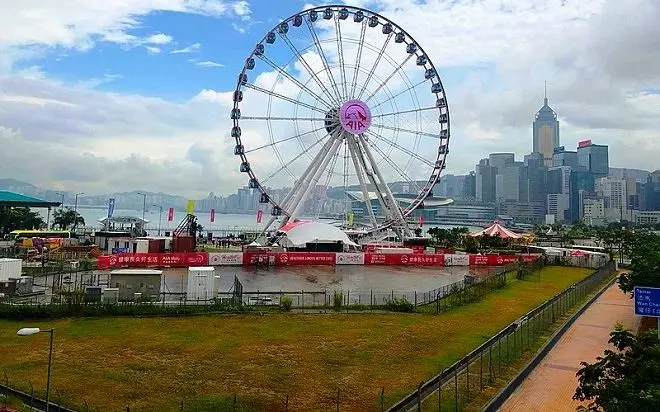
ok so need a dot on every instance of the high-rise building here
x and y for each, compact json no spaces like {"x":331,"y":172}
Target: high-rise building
{"x":559,"y":206}
{"x":470,"y":186}
{"x":582,"y":186}
{"x":501,"y":160}
{"x":485,"y":182}
{"x":614,"y":192}
{"x":545,"y":132}
{"x":559,"y":180}
{"x":593,"y":211}
{"x":563,"y":157}
{"x":593,"y":158}
{"x":509,"y":180}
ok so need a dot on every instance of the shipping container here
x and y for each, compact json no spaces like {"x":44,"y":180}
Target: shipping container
{"x":10,"y":268}
{"x":183,"y":244}
{"x":202,"y":283}
{"x":156,"y":245}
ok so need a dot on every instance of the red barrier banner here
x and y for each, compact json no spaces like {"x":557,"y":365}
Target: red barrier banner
{"x":411,"y":259}
{"x":479,"y":260}
{"x":443,"y":251}
{"x":161,"y":259}
{"x":103,"y":262}
{"x":349,"y":258}
{"x":457,"y":260}
{"x":258,"y":258}
{"x":226,"y":259}
{"x":305,"y":258}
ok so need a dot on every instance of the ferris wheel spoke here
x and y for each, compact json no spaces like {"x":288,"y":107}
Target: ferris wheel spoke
{"x":311,"y":119}
{"x":361,"y":173}
{"x":321,"y":52}
{"x":413,"y":132}
{"x":294,"y":80}
{"x":340,"y":53}
{"x":330,"y":172}
{"x":375,"y":65}
{"x":356,"y":70}
{"x":401,"y":148}
{"x":298,"y":156}
{"x":307,"y":67}
{"x":380,"y":86}
{"x":393,"y":164}
{"x":398,"y":94}
{"x":276,"y":142}
{"x":282,"y":97}
{"x":420,"y":109}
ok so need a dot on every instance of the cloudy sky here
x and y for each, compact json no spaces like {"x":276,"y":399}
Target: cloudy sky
{"x":107,"y":96}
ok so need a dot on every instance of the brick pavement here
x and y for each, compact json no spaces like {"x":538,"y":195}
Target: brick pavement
{"x":551,"y":385}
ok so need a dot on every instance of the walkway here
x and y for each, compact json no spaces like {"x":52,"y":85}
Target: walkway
{"x":551,"y":385}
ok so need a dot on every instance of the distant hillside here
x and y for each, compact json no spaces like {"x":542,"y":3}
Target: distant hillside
{"x":620,"y":172}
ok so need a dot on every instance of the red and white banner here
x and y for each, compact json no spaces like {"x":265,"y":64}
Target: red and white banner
{"x":260,"y":214}
{"x":403,"y":259}
{"x":421,"y":220}
{"x":305,"y":258}
{"x":153,"y":260}
{"x":170,"y":214}
{"x":349,"y":258}
{"x":259,"y":258}
{"x":212,"y":215}
{"x":226,"y":259}
{"x":457,"y":260}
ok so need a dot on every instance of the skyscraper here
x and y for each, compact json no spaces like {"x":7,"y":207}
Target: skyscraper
{"x":546,"y":131}
{"x":593,"y":158}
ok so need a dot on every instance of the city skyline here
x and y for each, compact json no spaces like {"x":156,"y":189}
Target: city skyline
{"x":138,"y":98}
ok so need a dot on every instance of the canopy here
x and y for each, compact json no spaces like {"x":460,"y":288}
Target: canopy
{"x":301,"y":232}
{"x":496,"y":229}
{"x":13,"y":199}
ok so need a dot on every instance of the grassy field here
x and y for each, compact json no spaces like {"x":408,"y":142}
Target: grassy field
{"x":154,"y":364}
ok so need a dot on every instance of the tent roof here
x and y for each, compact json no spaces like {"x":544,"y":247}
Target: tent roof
{"x":17,"y":199}
{"x":301,"y":232}
{"x":495,"y":229}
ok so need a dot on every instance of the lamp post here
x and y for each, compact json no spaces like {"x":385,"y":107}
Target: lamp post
{"x":75,"y":212}
{"x":62,"y":202}
{"x":160,"y":216}
{"x":34,"y":331}
{"x":144,"y":204}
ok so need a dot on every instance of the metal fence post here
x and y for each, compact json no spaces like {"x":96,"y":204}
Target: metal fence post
{"x":440,"y":391}
{"x":286,"y":403}
{"x":419,"y":397}
{"x":382,"y":399}
{"x":456,"y":388}
{"x":467,"y":378}
{"x":481,"y":370}
{"x":337,"y":400}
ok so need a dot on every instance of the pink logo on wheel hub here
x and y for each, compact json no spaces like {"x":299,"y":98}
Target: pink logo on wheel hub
{"x":355,"y":116}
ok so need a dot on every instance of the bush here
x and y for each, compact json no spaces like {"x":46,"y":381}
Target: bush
{"x":399,"y":305}
{"x":286,"y":303}
{"x":337,"y":300}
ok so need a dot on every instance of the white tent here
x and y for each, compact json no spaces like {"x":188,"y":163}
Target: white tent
{"x":300,"y":233}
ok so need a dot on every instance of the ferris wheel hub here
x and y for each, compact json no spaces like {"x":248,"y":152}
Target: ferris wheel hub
{"x":355,"y":116}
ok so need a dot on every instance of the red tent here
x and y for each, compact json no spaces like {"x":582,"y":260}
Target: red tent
{"x":495,"y":229}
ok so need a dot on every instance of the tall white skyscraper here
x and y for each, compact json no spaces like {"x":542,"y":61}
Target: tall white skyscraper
{"x":546,"y":132}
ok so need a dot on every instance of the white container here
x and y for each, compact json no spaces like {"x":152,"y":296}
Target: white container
{"x":202,"y":283}
{"x":10,"y":268}
{"x":142,"y":246}
{"x":110,"y":295}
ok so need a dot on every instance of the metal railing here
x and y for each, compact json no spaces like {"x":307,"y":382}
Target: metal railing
{"x":456,"y":386}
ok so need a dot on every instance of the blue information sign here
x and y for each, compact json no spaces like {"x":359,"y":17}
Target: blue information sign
{"x":647,"y":301}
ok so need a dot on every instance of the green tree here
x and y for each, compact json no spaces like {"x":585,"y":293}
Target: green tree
{"x":644,"y":262}
{"x":627,"y":379}
{"x":67,"y":218}
{"x":17,"y":218}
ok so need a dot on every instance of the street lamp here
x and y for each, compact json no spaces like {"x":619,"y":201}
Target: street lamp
{"x":160,"y":216}
{"x":34,"y":331}
{"x":62,"y":202}
{"x":144,"y":204}
{"x":75,"y":210}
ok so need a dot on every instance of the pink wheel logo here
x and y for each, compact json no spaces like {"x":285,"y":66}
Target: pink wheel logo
{"x":355,"y":116}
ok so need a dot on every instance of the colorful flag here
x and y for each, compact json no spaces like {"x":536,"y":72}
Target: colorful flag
{"x":170,"y":215}
{"x":260,"y":214}
{"x":421,"y":220}
{"x":212,"y":215}
{"x":350,"y":215}
{"x":111,"y":207}
{"x":190,"y":207}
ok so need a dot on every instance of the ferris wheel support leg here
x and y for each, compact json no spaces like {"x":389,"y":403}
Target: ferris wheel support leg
{"x":363,"y":186}
{"x":314,"y":177}
{"x":392,"y":205}
{"x":372,"y":179}
{"x":291,"y":199}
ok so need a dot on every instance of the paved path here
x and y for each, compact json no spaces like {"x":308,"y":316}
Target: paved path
{"x":551,"y":385}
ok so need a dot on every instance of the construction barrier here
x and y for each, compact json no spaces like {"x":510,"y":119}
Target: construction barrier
{"x":305,"y":258}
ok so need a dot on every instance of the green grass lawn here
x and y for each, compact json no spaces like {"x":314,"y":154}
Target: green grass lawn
{"x":155,"y":363}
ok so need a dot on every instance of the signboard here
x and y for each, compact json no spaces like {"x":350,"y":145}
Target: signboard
{"x":403,"y":259}
{"x":170,"y":214}
{"x":349,"y":258}
{"x":111,"y":207}
{"x":305,"y":258}
{"x":226,"y":259}
{"x":457,"y":260}
{"x":647,"y":301}
{"x":154,"y":260}
{"x":584,"y":143}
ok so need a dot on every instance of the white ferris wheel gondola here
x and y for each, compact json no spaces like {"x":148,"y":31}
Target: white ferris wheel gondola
{"x":340,"y":97}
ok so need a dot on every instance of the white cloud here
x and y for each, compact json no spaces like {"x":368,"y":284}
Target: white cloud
{"x":208,"y":63}
{"x":193,"y":48}
{"x":152,"y":50}
{"x":159,"y":38}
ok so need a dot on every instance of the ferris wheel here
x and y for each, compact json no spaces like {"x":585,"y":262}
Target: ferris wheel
{"x":338,"y":106}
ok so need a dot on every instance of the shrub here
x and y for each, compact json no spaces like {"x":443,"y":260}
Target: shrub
{"x":337,"y":300}
{"x":286,"y":303}
{"x":399,"y":305}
